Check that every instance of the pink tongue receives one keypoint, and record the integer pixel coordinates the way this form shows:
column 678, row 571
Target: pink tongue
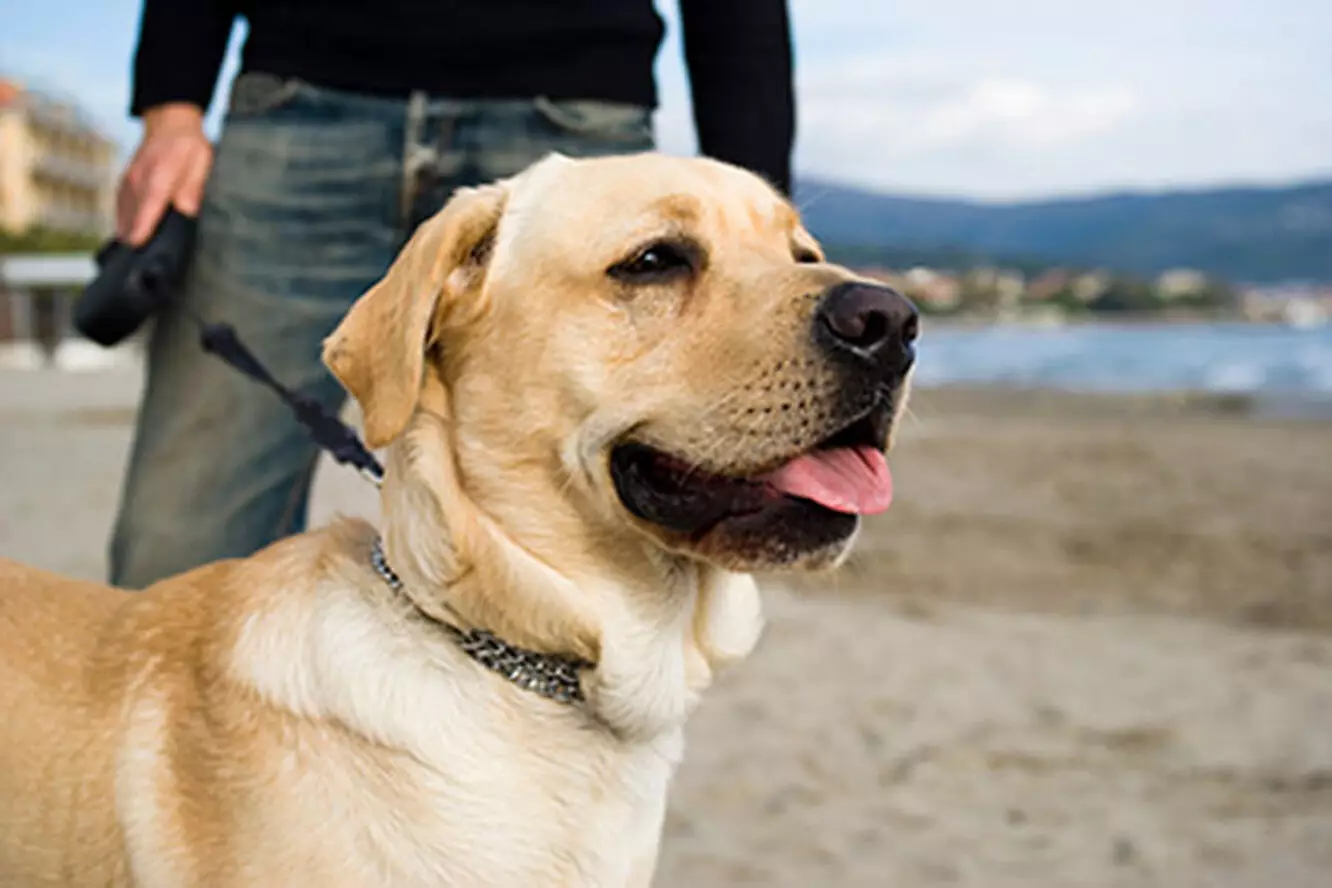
column 846, row 479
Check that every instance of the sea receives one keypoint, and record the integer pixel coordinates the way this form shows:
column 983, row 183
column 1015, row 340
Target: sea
column 1222, row 358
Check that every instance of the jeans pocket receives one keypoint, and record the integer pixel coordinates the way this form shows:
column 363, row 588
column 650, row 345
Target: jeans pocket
column 597, row 120
column 255, row 95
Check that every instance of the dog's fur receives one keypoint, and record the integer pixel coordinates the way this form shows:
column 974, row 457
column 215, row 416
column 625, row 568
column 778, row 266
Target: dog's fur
column 288, row 719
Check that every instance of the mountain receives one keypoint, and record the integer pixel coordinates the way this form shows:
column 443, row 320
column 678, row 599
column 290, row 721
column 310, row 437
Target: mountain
column 1252, row 234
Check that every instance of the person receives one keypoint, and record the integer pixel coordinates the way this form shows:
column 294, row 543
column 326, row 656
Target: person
column 347, row 125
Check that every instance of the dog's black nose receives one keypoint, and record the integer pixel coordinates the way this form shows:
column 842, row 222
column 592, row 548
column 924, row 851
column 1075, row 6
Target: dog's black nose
column 874, row 324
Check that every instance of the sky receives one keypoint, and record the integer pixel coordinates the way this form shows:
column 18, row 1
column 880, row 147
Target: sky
column 990, row 99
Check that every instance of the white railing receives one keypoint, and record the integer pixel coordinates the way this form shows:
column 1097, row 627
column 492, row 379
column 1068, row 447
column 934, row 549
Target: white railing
column 24, row 279
column 60, row 271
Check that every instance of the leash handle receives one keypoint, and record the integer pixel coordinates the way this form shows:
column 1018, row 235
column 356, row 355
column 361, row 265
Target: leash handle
column 328, row 432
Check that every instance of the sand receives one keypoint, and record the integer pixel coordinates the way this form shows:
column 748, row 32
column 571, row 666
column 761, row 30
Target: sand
column 1090, row 645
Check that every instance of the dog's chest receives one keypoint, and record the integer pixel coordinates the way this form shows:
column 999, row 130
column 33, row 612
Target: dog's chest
column 496, row 815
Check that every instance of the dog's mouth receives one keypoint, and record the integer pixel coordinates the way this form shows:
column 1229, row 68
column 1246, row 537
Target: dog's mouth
column 809, row 499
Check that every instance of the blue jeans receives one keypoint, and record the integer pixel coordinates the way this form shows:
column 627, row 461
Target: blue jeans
column 312, row 193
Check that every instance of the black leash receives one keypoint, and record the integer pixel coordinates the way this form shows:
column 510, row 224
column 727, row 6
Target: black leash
column 328, row 432
column 133, row 284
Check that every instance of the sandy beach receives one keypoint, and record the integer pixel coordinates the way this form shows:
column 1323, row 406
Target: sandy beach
column 1089, row 645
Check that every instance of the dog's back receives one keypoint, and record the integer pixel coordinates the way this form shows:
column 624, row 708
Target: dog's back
column 57, row 714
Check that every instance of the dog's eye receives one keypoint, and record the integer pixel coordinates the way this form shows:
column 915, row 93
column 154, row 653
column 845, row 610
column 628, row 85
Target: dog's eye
column 661, row 260
column 806, row 256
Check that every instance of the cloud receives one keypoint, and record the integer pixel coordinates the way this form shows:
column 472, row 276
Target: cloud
column 1037, row 97
column 927, row 127
column 907, row 113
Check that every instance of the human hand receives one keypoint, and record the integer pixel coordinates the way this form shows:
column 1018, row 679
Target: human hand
column 170, row 168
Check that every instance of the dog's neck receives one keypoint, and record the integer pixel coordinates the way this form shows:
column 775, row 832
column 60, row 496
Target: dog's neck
column 655, row 626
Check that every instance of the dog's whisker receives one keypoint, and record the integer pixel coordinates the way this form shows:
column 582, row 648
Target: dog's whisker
column 804, row 205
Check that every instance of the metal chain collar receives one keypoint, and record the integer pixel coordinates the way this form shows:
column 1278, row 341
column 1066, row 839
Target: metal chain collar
column 550, row 675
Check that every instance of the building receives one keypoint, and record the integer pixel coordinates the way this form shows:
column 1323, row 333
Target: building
column 933, row 289
column 1180, row 282
column 989, row 288
column 57, row 171
column 1090, row 286
column 1294, row 303
column 930, row 289
column 1050, row 284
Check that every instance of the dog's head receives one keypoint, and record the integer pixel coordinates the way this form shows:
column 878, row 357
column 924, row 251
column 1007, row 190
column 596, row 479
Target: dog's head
column 656, row 344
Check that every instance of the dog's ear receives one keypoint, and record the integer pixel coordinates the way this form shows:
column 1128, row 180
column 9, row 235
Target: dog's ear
column 378, row 350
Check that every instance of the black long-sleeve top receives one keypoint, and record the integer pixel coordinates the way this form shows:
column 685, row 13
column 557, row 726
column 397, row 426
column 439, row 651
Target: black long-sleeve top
column 737, row 52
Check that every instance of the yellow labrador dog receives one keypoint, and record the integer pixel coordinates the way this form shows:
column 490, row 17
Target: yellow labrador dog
column 608, row 390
